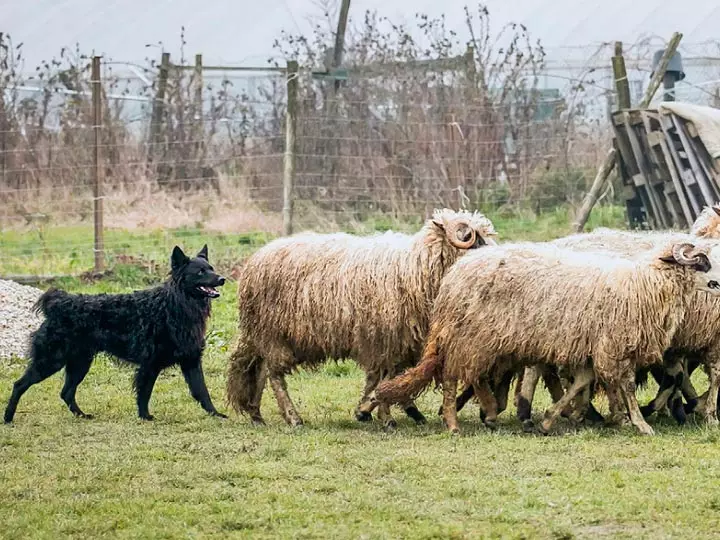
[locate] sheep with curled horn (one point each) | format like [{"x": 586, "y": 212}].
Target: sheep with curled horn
[
  {"x": 597, "y": 315},
  {"x": 312, "y": 297},
  {"x": 697, "y": 342},
  {"x": 674, "y": 377},
  {"x": 698, "y": 337}
]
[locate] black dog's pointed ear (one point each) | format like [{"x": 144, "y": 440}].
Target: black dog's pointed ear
[
  {"x": 203, "y": 254},
  {"x": 178, "y": 258}
]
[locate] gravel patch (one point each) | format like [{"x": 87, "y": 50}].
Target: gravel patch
[{"x": 17, "y": 319}]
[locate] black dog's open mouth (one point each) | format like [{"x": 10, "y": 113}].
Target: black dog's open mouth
[{"x": 210, "y": 292}]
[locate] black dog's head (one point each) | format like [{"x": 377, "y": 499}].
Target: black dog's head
[{"x": 195, "y": 276}]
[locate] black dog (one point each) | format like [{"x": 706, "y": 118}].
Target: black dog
[{"x": 155, "y": 329}]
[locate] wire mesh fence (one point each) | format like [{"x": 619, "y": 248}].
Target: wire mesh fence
[{"x": 188, "y": 154}]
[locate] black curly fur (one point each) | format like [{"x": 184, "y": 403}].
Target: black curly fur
[{"x": 154, "y": 329}]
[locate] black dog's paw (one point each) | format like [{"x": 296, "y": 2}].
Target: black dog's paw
[
  {"x": 86, "y": 416},
  {"x": 219, "y": 414},
  {"x": 147, "y": 417}
]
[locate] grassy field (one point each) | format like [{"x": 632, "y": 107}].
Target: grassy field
[{"x": 187, "y": 475}]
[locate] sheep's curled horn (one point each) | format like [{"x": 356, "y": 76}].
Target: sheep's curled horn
[
  {"x": 687, "y": 255},
  {"x": 457, "y": 229}
]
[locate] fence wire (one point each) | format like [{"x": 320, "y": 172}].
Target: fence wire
[{"x": 204, "y": 162}]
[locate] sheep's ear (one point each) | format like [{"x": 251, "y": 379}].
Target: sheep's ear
[
  {"x": 716, "y": 209},
  {"x": 439, "y": 224},
  {"x": 178, "y": 258},
  {"x": 203, "y": 253}
]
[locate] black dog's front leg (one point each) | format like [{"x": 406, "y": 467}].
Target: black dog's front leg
[
  {"x": 198, "y": 390},
  {"x": 144, "y": 382}
]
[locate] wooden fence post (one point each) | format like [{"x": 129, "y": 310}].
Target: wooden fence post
[
  {"x": 199, "y": 97},
  {"x": 96, "y": 87},
  {"x": 289, "y": 158},
  {"x": 158, "y": 108},
  {"x": 622, "y": 86}
]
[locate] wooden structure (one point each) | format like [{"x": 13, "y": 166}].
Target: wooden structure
[{"x": 668, "y": 174}]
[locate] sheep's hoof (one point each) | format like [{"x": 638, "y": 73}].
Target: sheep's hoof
[
  {"x": 645, "y": 430},
  {"x": 592, "y": 416},
  {"x": 678, "y": 411},
  {"x": 690, "y": 406},
  {"x": 257, "y": 420},
  {"x": 542, "y": 429},
  {"x": 455, "y": 432},
  {"x": 363, "y": 416},
  {"x": 390, "y": 426},
  {"x": 490, "y": 424},
  {"x": 617, "y": 420},
  {"x": 711, "y": 420}
]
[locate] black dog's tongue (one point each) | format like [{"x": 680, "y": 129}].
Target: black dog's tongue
[{"x": 209, "y": 291}]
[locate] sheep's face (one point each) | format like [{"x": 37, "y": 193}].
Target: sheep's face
[
  {"x": 707, "y": 224},
  {"x": 703, "y": 261},
  {"x": 464, "y": 230}
]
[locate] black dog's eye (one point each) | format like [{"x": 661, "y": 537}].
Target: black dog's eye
[{"x": 201, "y": 271}]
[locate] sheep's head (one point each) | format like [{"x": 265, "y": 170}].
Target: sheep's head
[
  {"x": 704, "y": 261},
  {"x": 464, "y": 230},
  {"x": 707, "y": 225}
]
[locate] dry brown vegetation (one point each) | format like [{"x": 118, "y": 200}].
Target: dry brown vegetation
[{"x": 399, "y": 136}]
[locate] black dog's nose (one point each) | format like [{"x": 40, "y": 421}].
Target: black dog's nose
[{"x": 221, "y": 281}]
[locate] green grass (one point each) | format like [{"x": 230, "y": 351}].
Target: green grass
[{"x": 192, "y": 476}]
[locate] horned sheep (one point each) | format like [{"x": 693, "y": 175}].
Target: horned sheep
[
  {"x": 312, "y": 297},
  {"x": 697, "y": 342},
  {"x": 595, "y": 314}
]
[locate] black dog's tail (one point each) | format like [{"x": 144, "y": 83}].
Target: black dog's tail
[{"x": 48, "y": 300}]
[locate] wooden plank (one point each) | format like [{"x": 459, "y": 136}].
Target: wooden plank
[
  {"x": 686, "y": 174},
  {"x": 680, "y": 192},
  {"x": 697, "y": 147},
  {"x": 623, "y": 145},
  {"x": 655, "y": 138},
  {"x": 657, "y": 210},
  {"x": 660, "y": 165},
  {"x": 702, "y": 180}
]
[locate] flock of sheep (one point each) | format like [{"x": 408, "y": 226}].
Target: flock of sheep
[{"x": 587, "y": 313}]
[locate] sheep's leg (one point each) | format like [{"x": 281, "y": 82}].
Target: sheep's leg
[
  {"x": 552, "y": 381},
  {"x": 385, "y": 417},
  {"x": 627, "y": 391},
  {"x": 580, "y": 405},
  {"x": 518, "y": 387},
  {"x": 671, "y": 380},
  {"x": 503, "y": 390},
  {"x": 710, "y": 405},
  {"x": 618, "y": 413},
  {"x": 363, "y": 412},
  {"x": 449, "y": 405},
  {"x": 413, "y": 412},
  {"x": 583, "y": 377},
  {"x": 531, "y": 376},
  {"x": 688, "y": 390},
  {"x": 279, "y": 386},
  {"x": 488, "y": 402}
]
